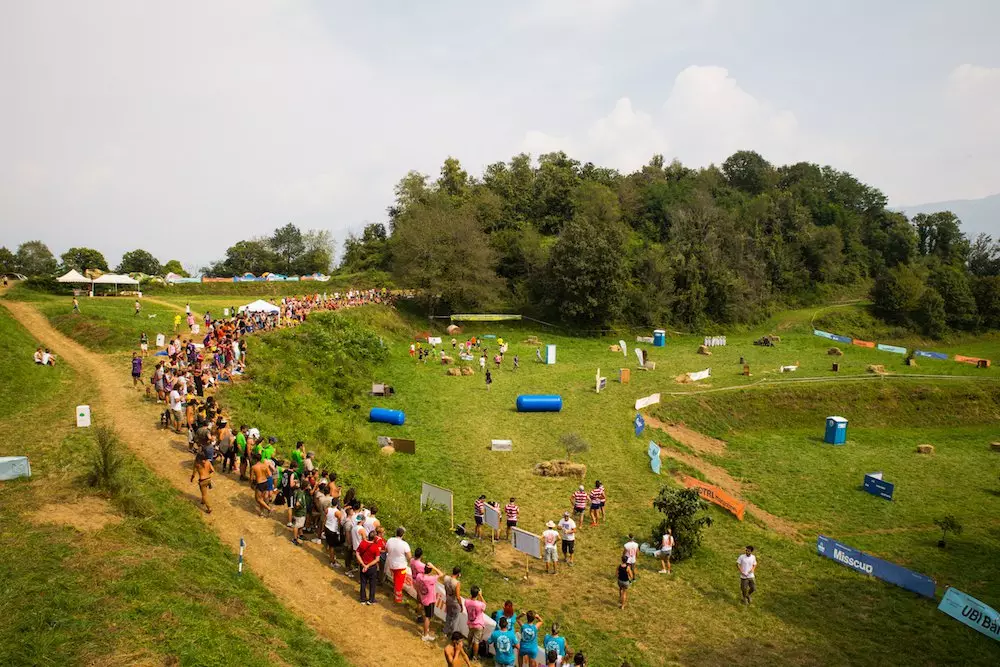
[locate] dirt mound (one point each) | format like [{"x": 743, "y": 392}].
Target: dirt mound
[
  {"x": 835, "y": 352},
  {"x": 682, "y": 379},
  {"x": 560, "y": 469},
  {"x": 703, "y": 349},
  {"x": 447, "y": 360},
  {"x": 877, "y": 369},
  {"x": 468, "y": 371},
  {"x": 388, "y": 450},
  {"x": 454, "y": 372},
  {"x": 689, "y": 437},
  {"x": 86, "y": 514}
]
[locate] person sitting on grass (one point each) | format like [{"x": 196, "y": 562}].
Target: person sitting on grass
[{"x": 38, "y": 356}]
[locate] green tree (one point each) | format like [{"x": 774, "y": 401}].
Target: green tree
[
  {"x": 254, "y": 256},
  {"x": 940, "y": 235},
  {"x": 139, "y": 261},
  {"x": 987, "y": 293},
  {"x": 82, "y": 259},
  {"x": 411, "y": 190},
  {"x": 555, "y": 184},
  {"x": 368, "y": 252},
  {"x": 8, "y": 261},
  {"x": 684, "y": 510},
  {"x": 317, "y": 256},
  {"x": 952, "y": 283},
  {"x": 749, "y": 172},
  {"x": 438, "y": 248},
  {"x": 453, "y": 181},
  {"x": 288, "y": 246},
  {"x": 984, "y": 256},
  {"x": 174, "y": 266},
  {"x": 931, "y": 313},
  {"x": 35, "y": 259},
  {"x": 896, "y": 293}
]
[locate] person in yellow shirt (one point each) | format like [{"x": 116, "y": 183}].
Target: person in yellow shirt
[{"x": 177, "y": 321}]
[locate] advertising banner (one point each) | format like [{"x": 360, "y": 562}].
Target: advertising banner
[
  {"x": 876, "y": 567},
  {"x": 714, "y": 494},
  {"x": 823, "y": 334},
  {"x": 971, "y": 360},
  {"x": 931, "y": 355},
  {"x": 640, "y": 424},
  {"x": 700, "y": 375},
  {"x": 891, "y": 348},
  {"x": 483, "y": 318},
  {"x": 434, "y": 496},
  {"x": 647, "y": 401},
  {"x": 862, "y": 343},
  {"x": 654, "y": 456},
  {"x": 875, "y": 485},
  {"x": 972, "y": 612}
]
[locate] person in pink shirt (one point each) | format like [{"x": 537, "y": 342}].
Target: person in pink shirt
[
  {"x": 475, "y": 607},
  {"x": 426, "y": 585}
]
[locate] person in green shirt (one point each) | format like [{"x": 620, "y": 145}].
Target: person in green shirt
[
  {"x": 241, "y": 450},
  {"x": 271, "y": 449},
  {"x": 298, "y": 511},
  {"x": 299, "y": 458}
]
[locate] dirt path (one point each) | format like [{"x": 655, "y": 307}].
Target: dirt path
[
  {"x": 688, "y": 437},
  {"x": 171, "y": 306},
  {"x": 299, "y": 576}
]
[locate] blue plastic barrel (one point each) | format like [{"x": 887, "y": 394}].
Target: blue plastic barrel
[
  {"x": 836, "y": 430},
  {"x": 539, "y": 403},
  {"x": 659, "y": 338},
  {"x": 387, "y": 416}
]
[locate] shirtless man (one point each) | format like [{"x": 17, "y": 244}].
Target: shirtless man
[
  {"x": 259, "y": 473},
  {"x": 454, "y": 653},
  {"x": 203, "y": 469}
]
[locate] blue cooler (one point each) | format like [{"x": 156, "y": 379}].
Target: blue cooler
[
  {"x": 659, "y": 338},
  {"x": 836, "y": 430}
]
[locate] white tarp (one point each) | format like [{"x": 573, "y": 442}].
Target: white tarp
[
  {"x": 700, "y": 375},
  {"x": 115, "y": 279},
  {"x": 260, "y": 306},
  {"x": 12, "y": 467},
  {"x": 646, "y": 401},
  {"x": 73, "y": 276}
]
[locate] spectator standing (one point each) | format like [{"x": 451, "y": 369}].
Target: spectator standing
[
  {"x": 567, "y": 528},
  {"x": 747, "y": 565},
  {"x": 368, "y": 557},
  {"x": 624, "y": 581},
  {"x": 397, "y": 555}
]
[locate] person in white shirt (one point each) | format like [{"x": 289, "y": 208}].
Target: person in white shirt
[
  {"x": 549, "y": 539},
  {"x": 747, "y": 565},
  {"x": 397, "y": 555},
  {"x": 666, "y": 548},
  {"x": 568, "y": 528},
  {"x": 176, "y": 407},
  {"x": 331, "y": 531},
  {"x": 630, "y": 550}
]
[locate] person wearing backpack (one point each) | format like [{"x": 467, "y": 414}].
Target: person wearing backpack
[{"x": 297, "y": 507}]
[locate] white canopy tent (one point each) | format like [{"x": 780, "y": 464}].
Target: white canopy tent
[
  {"x": 73, "y": 276},
  {"x": 113, "y": 279},
  {"x": 260, "y": 306}
]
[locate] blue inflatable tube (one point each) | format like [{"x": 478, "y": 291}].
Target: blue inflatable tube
[
  {"x": 387, "y": 416},
  {"x": 539, "y": 403}
]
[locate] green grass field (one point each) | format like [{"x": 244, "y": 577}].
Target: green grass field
[
  {"x": 809, "y": 610},
  {"x": 140, "y": 579}
]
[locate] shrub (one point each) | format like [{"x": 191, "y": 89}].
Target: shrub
[
  {"x": 574, "y": 444},
  {"x": 107, "y": 463},
  {"x": 682, "y": 508},
  {"x": 947, "y": 524}
]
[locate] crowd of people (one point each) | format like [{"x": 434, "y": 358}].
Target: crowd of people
[{"x": 317, "y": 509}]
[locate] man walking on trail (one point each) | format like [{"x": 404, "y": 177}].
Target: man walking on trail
[
  {"x": 76, "y": 306},
  {"x": 489, "y": 379},
  {"x": 137, "y": 370},
  {"x": 331, "y": 530},
  {"x": 241, "y": 451},
  {"x": 452, "y": 600},
  {"x": 511, "y": 510},
  {"x": 258, "y": 479},
  {"x": 567, "y": 528},
  {"x": 176, "y": 407},
  {"x": 177, "y": 321},
  {"x": 367, "y": 556},
  {"x": 747, "y": 565},
  {"x": 138, "y": 308},
  {"x": 298, "y": 505},
  {"x": 630, "y": 551},
  {"x": 549, "y": 539},
  {"x": 203, "y": 470}
]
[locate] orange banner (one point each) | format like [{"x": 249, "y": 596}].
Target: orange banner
[
  {"x": 714, "y": 494},
  {"x": 862, "y": 343},
  {"x": 971, "y": 360}
]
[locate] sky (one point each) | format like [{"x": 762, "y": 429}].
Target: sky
[{"x": 181, "y": 127}]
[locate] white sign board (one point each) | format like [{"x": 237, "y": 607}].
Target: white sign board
[
  {"x": 644, "y": 339},
  {"x": 196, "y": 328},
  {"x": 527, "y": 543},
  {"x": 12, "y": 467},
  {"x": 161, "y": 340},
  {"x": 434, "y": 340},
  {"x": 789, "y": 369},
  {"x": 600, "y": 382},
  {"x": 640, "y": 355},
  {"x": 82, "y": 416},
  {"x": 502, "y": 445},
  {"x": 550, "y": 354},
  {"x": 624, "y": 348},
  {"x": 435, "y": 497},
  {"x": 492, "y": 518},
  {"x": 225, "y": 312},
  {"x": 699, "y": 375},
  {"x": 647, "y": 401}
]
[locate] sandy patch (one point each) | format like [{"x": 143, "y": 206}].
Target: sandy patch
[{"x": 86, "y": 514}]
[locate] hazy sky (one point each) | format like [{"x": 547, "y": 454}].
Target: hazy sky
[{"x": 182, "y": 126}]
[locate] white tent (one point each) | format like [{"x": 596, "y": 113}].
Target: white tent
[
  {"x": 73, "y": 276},
  {"x": 115, "y": 279},
  {"x": 260, "y": 306}
]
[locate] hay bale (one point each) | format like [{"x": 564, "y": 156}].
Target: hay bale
[
  {"x": 454, "y": 372},
  {"x": 468, "y": 371},
  {"x": 388, "y": 450},
  {"x": 447, "y": 360},
  {"x": 995, "y": 446},
  {"x": 775, "y": 339},
  {"x": 703, "y": 349},
  {"x": 682, "y": 379},
  {"x": 925, "y": 449},
  {"x": 560, "y": 469},
  {"x": 532, "y": 340},
  {"x": 614, "y": 348},
  {"x": 835, "y": 352},
  {"x": 877, "y": 369}
]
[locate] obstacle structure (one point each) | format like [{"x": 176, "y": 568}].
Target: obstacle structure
[
  {"x": 387, "y": 416},
  {"x": 539, "y": 403}
]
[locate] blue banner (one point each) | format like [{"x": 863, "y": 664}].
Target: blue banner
[
  {"x": 640, "y": 424},
  {"x": 822, "y": 334},
  {"x": 932, "y": 355},
  {"x": 876, "y": 567},
  {"x": 879, "y": 487},
  {"x": 842, "y": 339},
  {"x": 891, "y": 348},
  {"x": 972, "y": 612},
  {"x": 654, "y": 456}
]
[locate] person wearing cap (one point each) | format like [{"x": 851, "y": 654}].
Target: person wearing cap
[
  {"x": 580, "y": 498},
  {"x": 549, "y": 539},
  {"x": 299, "y": 458},
  {"x": 271, "y": 448},
  {"x": 568, "y": 529}
]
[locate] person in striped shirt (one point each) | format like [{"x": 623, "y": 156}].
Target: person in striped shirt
[
  {"x": 511, "y": 510},
  {"x": 597, "y": 500},
  {"x": 479, "y": 513},
  {"x": 579, "y": 504}
]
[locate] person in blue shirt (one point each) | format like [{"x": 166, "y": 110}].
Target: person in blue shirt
[
  {"x": 555, "y": 642},
  {"x": 504, "y": 642},
  {"x": 528, "y": 646}
]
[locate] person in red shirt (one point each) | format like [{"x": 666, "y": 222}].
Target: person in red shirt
[
  {"x": 511, "y": 510},
  {"x": 580, "y": 504},
  {"x": 367, "y": 555},
  {"x": 597, "y": 500}
]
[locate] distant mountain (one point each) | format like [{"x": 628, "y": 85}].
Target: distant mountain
[{"x": 977, "y": 215}]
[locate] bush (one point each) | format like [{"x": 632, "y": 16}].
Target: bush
[
  {"x": 574, "y": 444},
  {"x": 107, "y": 464},
  {"x": 682, "y": 507}
]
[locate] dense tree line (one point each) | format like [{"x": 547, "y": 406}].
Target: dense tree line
[
  {"x": 34, "y": 259},
  {"x": 288, "y": 251},
  {"x": 668, "y": 244}
]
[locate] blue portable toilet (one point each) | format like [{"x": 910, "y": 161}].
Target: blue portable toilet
[
  {"x": 659, "y": 338},
  {"x": 836, "y": 430}
]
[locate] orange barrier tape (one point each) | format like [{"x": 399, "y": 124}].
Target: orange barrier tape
[{"x": 862, "y": 343}]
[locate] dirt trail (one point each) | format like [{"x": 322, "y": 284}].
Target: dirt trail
[
  {"x": 299, "y": 576},
  {"x": 689, "y": 437}
]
